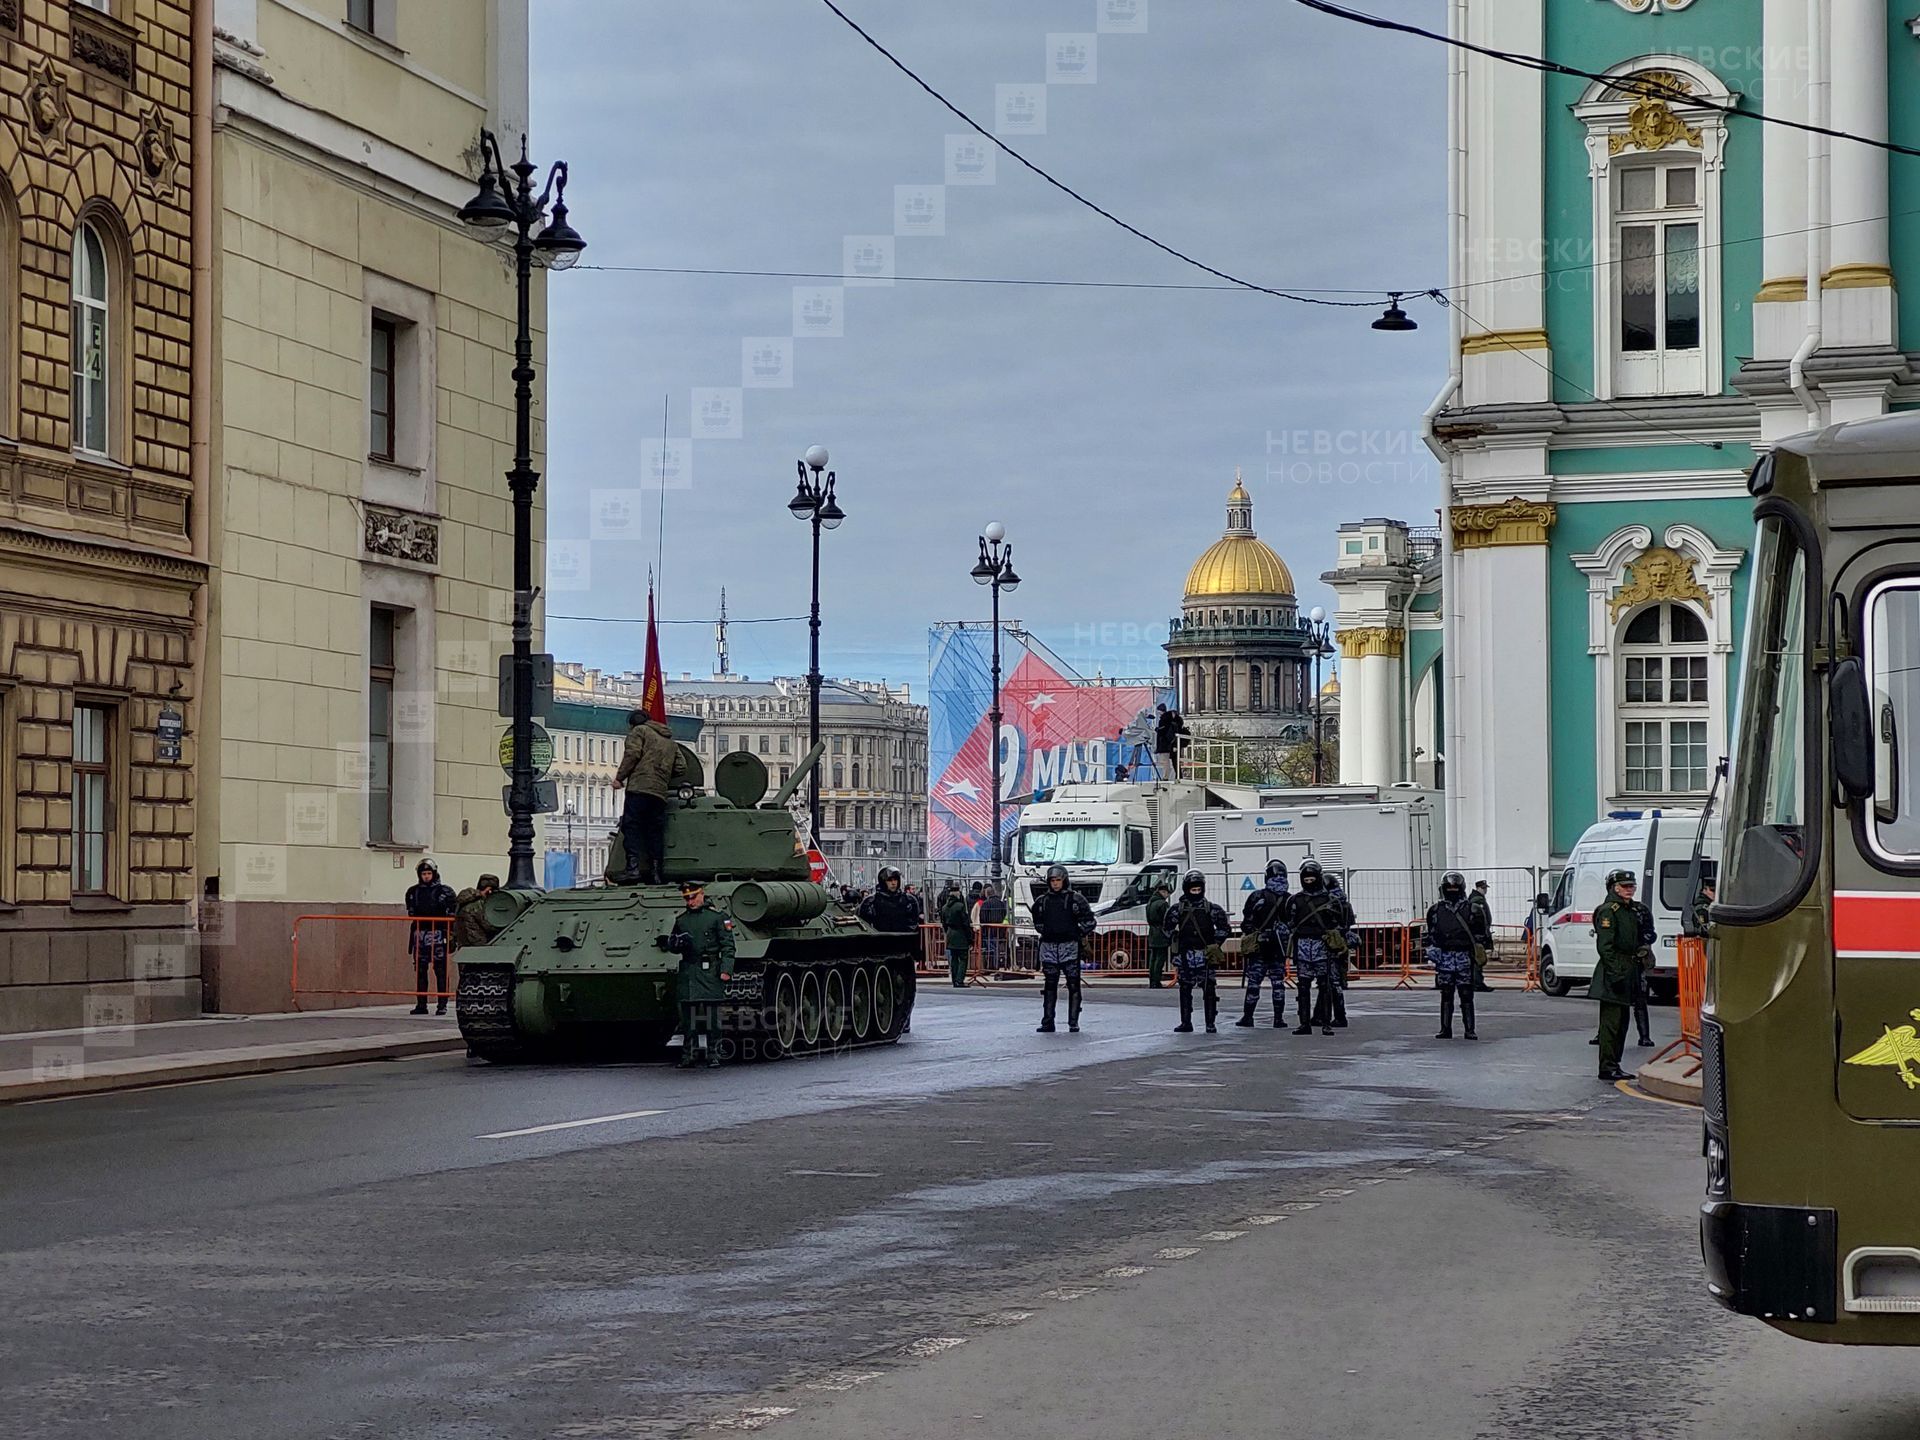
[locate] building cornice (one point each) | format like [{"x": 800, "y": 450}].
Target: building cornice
[
  {"x": 1371, "y": 640},
  {"x": 69, "y": 551},
  {"x": 1489, "y": 341},
  {"x": 1516, "y": 521}
]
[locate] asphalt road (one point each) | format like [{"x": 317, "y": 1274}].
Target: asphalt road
[{"x": 981, "y": 1232}]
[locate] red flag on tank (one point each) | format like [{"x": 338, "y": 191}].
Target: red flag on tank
[{"x": 653, "y": 684}]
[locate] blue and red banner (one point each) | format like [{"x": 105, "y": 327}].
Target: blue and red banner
[{"x": 1055, "y": 729}]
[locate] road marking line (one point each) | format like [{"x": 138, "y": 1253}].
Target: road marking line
[
  {"x": 842, "y": 1379},
  {"x": 1005, "y": 1317},
  {"x": 1296, "y": 1206},
  {"x": 1068, "y": 1292},
  {"x": 752, "y": 1418},
  {"x": 1176, "y": 1252},
  {"x": 839, "y": 1174},
  {"x": 1264, "y": 1219},
  {"x": 931, "y": 1345},
  {"x": 1223, "y": 1235},
  {"x": 570, "y": 1124},
  {"x": 1335, "y": 1194},
  {"x": 1626, "y": 1087}
]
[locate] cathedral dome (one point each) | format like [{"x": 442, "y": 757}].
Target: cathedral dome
[{"x": 1239, "y": 563}]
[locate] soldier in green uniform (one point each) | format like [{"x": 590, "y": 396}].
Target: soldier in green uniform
[
  {"x": 1157, "y": 937},
  {"x": 1619, "y": 957},
  {"x": 470, "y": 925},
  {"x": 1702, "y": 903},
  {"x": 703, "y": 938},
  {"x": 959, "y": 928}
]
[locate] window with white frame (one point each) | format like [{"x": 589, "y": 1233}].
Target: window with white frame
[
  {"x": 1664, "y": 663},
  {"x": 1657, "y": 223},
  {"x": 91, "y": 341}
]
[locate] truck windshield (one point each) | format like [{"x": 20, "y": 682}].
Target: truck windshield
[
  {"x": 1070, "y": 845},
  {"x": 1767, "y": 851}
]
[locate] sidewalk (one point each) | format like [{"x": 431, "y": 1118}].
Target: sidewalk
[{"x": 41, "y": 1065}]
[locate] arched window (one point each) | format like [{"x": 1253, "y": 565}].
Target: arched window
[
  {"x": 1664, "y": 659},
  {"x": 92, "y": 342},
  {"x": 856, "y": 774},
  {"x": 1255, "y": 700},
  {"x": 1223, "y": 687}
]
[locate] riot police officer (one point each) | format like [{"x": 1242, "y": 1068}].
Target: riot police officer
[
  {"x": 1062, "y": 919},
  {"x": 703, "y": 939},
  {"x": 893, "y": 909},
  {"x": 1618, "y": 953},
  {"x": 1454, "y": 927},
  {"x": 1263, "y": 943},
  {"x": 433, "y": 904},
  {"x": 1195, "y": 928},
  {"x": 1318, "y": 916}
]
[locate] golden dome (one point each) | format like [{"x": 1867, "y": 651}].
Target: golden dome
[
  {"x": 1239, "y": 563},
  {"x": 1332, "y": 687}
]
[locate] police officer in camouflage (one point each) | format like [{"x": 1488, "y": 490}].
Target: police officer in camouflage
[
  {"x": 1062, "y": 919},
  {"x": 703, "y": 939},
  {"x": 1318, "y": 916},
  {"x": 1454, "y": 927},
  {"x": 1264, "y": 937},
  {"x": 1196, "y": 927}
]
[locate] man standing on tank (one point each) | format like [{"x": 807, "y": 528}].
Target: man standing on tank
[
  {"x": 703, "y": 939},
  {"x": 1263, "y": 943},
  {"x": 432, "y": 904},
  {"x": 1062, "y": 919},
  {"x": 1319, "y": 917},
  {"x": 651, "y": 765},
  {"x": 1618, "y": 950},
  {"x": 1196, "y": 927},
  {"x": 892, "y": 910}
]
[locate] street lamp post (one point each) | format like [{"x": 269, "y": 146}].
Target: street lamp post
[
  {"x": 506, "y": 198},
  {"x": 1317, "y": 630},
  {"x": 994, "y": 568},
  {"x": 569, "y": 815},
  {"x": 814, "y": 501}
]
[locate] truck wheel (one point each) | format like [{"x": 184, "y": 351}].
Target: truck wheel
[{"x": 1550, "y": 980}]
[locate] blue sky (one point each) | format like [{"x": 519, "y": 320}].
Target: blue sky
[{"x": 1102, "y": 426}]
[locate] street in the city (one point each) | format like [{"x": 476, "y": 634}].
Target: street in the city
[{"x": 981, "y": 1231}]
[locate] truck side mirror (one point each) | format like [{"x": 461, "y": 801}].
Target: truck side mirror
[
  {"x": 1849, "y": 729},
  {"x": 1543, "y": 901}
]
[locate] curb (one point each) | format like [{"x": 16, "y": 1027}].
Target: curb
[
  {"x": 109, "y": 1075},
  {"x": 1665, "y": 1082}
]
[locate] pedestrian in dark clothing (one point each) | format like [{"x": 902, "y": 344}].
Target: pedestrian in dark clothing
[
  {"x": 1062, "y": 920},
  {"x": 1157, "y": 938},
  {"x": 1319, "y": 917},
  {"x": 1483, "y": 935},
  {"x": 1168, "y": 728},
  {"x": 432, "y": 904},
  {"x": 1196, "y": 927},
  {"x": 1642, "y": 991},
  {"x": 1264, "y": 938},
  {"x": 1452, "y": 931},
  {"x": 959, "y": 934},
  {"x": 1618, "y": 953},
  {"x": 990, "y": 921},
  {"x": 650, "y": 766},
  {"x": 703, "y": 939},
  {"x": 896, "y": 912}
]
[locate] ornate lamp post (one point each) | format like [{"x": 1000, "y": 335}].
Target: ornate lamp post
[
  {"x": 506, "y": 198},
  {"x": 814, "y": 501},
  {"x": 995, "y": 568},
  {"x": 1318, "y": 630}
]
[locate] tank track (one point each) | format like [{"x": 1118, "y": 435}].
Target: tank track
[
  {"x": 483, "y": 1006},
  {"x": 754, "y": 1023}
]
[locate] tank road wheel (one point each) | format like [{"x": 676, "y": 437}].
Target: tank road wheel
[
  {"x": 882, "y": 1002},
  {"x": 810, "y": 1010},
  {"x": 786, "y": 1013},
  {"x": 861, "y": 991},
  {"x": 836, "y": 1001}
]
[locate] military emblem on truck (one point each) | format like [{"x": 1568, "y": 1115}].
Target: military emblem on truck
[{"x": 1899, "y": 1048}]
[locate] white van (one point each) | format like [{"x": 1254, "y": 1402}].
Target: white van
[{"x": 1658, "y": 848}]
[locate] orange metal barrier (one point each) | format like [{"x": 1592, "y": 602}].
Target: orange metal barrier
[
  {"x": 360, "y": 959},
  {"x": 1692, "y": 966}
]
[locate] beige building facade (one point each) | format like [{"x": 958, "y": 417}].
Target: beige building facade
[
  {"x": 361, "y": 523},
  {"x": 102, "y": 560}
]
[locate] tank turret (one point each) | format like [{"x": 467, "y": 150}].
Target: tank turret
[{"x": 576, "y": 973}]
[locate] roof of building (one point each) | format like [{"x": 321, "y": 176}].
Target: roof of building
[{"x": 1239, "y": 562}]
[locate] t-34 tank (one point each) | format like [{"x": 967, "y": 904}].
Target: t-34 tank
[{"x": 575, "y": 974}]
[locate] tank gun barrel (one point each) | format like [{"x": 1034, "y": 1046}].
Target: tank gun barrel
[{"x": 799, "y": 776}]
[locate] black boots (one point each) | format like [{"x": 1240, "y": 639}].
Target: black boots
[
  {"x": 1213, "y": 1009},
  {"x": 1185, "y": 1027},
  {"x": 1466, "y": 1010},
  {"x": 1049, "y": 1001},
  {"x": 1303, "y": 999},
  {"x": 1073, "y": 1010},
  {"x": 1446, "y": 1014},
  {"x": 1245, "y": 1022}
]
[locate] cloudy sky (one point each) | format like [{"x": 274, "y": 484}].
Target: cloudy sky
[{"x": 1101, "y": 425}]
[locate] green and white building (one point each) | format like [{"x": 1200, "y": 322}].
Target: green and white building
[{"x": 1648, "y": 292}]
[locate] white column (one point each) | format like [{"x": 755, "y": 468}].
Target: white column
[
  {"x": 1779, "y": 312},
  {"x": 1383, "y": 719},
  {"x": 1505, "y": 208},
  {"x": 1353, "y": 722},
  {"x": 1857, "y": 292}
]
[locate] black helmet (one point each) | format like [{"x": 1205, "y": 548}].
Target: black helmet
[
  {"x": 887, "y": 872},
  {"x": 1276, "y": 869},
  {"x": 1310, "y": 874},
  {"x": 424, "y": 866},
  {"x": 1453, "y": 883},
  {"x": 1056, "y": 872},
  {"x": 1193, "y": 881}
]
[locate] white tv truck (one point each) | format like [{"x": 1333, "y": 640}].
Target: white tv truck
[{"x": 1384, "y": 844}]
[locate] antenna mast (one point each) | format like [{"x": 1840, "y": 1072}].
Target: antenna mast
[{"x": 720, "y": 636}]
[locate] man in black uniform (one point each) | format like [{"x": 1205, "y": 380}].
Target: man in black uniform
[
  {"x": 1062, "y": 919},
  {"x": 1483, "y": 935},
  {"x": 703, "y": 939},
  {"x": 432, "y": 904},
  {"x": 1263, "y": 943},
  {"x": 1642, "y": 992},
  {"x": 1319, "y": 917},
  {"x": 893, "y": 910},
  {"x": 1196, "y": 927}
]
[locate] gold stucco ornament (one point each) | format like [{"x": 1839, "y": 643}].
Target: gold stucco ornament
[
  {"x": 1652, "y": 126},
  {"x": 1659, "y": 574}
]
